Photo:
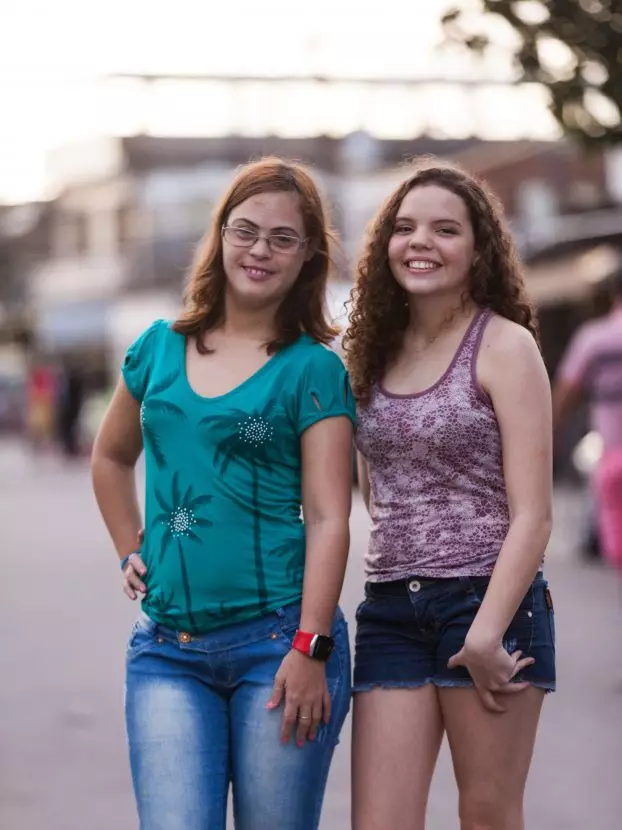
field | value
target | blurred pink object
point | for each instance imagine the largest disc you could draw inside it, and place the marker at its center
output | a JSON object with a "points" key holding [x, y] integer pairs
{"points": [[608, 484]]}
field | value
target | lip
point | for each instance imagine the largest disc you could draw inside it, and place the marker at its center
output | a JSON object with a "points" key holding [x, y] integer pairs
{"points": [[257, 274], [432, 263]]}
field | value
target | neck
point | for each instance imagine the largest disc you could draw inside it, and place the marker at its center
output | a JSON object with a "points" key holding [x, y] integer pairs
{"points": [[430, 315], [256, 324]]}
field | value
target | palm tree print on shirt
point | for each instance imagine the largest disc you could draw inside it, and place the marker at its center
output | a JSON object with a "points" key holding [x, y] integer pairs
{"points": [[153, 406], [180, 517], [250, 442]]}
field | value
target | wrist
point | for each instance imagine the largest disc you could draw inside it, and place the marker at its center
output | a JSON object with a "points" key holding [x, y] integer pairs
{"points": [[313, 645]]}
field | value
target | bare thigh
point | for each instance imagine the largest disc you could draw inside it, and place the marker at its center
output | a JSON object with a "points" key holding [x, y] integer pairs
{"points": [[491, 755], [396, 737]]}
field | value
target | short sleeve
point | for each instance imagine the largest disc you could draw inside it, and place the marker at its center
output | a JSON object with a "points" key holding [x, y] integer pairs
{"points": [[324, 390], [139, 360], [576, 361]]}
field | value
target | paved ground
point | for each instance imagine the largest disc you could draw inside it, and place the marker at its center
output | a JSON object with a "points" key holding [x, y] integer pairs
{"points": [[64, 622]]}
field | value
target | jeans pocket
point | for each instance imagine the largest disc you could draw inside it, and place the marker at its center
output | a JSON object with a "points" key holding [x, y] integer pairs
{"points": [[142, 635]]}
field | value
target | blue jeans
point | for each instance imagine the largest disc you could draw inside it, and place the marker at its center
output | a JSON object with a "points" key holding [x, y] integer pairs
{"points": [[197, 721]]}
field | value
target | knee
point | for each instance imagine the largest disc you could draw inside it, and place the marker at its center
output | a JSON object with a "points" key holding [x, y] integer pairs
{"points": [[489, 811]]}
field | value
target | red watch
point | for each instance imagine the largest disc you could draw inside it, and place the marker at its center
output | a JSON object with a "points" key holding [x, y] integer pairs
{"points": [[317, 646]]}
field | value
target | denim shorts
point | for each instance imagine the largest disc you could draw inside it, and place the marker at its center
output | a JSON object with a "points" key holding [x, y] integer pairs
{"points": [[408, 629]]}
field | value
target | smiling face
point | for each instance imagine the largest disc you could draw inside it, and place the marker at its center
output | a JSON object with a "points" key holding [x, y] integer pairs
{"points": [[260, 275], [432, 247]]}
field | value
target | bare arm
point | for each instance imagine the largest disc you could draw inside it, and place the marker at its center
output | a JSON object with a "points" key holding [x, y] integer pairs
{"points": [[117, 448], [513, 374], [326, 499], [363, 476]]}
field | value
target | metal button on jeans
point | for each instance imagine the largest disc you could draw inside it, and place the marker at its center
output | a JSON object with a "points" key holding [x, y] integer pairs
{"points": [[414, 586], [184, 637]]}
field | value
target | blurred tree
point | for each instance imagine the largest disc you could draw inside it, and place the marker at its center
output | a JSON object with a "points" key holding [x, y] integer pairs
{"points": [[573, 47]]}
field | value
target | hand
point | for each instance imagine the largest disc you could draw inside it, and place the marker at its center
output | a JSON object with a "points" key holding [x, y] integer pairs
{"points": [[491, 669], [132, 573], [302, 682], [134, 569]]}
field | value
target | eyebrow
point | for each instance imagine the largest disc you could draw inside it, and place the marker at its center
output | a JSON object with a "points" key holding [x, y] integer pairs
{"points": [[279, 228], [446, 221]]}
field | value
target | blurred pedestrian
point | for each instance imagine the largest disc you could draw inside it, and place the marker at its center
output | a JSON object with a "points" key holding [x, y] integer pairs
{"points": [[70, 400], [42, 385], [592, 368], [245, 417], [455, 632]]}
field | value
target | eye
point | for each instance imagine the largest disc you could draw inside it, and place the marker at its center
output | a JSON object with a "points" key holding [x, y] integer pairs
{"points": [[283, 240], [448, 231], [402, 229], [243, 233]]}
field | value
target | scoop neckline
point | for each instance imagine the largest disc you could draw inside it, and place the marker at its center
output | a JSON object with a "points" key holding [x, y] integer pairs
{"points": [[184, 343], [436, 384]]}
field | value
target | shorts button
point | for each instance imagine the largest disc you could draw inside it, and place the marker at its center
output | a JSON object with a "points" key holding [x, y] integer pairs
{"points": [[414, 586], [184, 637]]}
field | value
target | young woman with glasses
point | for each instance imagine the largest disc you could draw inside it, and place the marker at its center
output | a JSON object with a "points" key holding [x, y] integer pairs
{"points": [[238, 668]]}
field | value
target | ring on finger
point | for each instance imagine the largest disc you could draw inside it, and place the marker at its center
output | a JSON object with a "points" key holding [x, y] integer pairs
{"points": [[304, 717]]}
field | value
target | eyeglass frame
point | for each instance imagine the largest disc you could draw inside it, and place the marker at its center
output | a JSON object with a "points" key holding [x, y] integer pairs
{"points": [[259, 236]]}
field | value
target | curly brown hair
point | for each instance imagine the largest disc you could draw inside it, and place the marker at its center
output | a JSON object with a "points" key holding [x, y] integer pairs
{"points": [[304, 308], [380, 315]]}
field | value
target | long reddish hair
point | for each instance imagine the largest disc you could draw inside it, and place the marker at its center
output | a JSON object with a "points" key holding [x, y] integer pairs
{"points": [[303, 309], [379, 314]]}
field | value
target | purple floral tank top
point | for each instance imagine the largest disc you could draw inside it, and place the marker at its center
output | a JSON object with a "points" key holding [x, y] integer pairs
{"points": [[438, 499]]}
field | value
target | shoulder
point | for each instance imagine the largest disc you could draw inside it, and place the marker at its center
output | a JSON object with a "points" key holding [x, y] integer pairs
{"points": [[505, 341], [157, 330], [310, 355]]}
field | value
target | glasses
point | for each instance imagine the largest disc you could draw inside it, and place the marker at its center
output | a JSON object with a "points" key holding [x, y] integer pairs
{"points": [[246, 238]]}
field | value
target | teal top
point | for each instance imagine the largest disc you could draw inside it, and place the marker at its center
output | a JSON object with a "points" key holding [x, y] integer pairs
{"points": [[224, 533]]}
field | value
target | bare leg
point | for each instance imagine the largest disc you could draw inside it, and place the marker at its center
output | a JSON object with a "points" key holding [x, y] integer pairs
{"points": [[396, 738], [491, 755]]}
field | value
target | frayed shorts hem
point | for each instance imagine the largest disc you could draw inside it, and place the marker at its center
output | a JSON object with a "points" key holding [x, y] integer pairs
{"points": [[444, 683]]}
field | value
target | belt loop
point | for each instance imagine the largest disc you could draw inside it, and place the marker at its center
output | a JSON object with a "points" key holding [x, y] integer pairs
{"points": [[280, 612]]}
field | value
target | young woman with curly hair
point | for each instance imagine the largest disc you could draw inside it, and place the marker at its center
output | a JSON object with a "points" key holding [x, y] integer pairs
{"points": [[456, 630], [245, 417]]}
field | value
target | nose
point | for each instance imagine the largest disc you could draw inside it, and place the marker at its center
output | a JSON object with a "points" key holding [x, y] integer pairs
{"points": [[420, 238], [261, 248]]}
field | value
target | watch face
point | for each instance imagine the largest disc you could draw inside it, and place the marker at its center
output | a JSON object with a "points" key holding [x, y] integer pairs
{"points": [[322, 647]]}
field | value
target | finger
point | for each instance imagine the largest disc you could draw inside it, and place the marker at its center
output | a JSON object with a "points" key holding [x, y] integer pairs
{"points": [[277, 694], [290, 716], [127, 589], [327, 705], [456, 660], [513, 688], [305, 722], [141, 535], [137, 563], [489, 701], [134, 580], [316, 718], [522, 664]]}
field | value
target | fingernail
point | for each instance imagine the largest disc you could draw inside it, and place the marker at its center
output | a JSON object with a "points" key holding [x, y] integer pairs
{"points": [[301, 744], [283, 740]]}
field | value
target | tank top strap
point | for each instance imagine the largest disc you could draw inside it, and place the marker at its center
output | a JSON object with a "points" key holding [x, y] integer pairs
{"points": [[464, 364]]}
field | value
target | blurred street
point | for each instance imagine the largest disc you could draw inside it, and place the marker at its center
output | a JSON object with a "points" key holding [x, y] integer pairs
{"points": [[65, 622]]}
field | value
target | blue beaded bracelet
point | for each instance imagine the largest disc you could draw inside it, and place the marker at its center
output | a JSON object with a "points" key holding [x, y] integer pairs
{"points": [[125, 558]]}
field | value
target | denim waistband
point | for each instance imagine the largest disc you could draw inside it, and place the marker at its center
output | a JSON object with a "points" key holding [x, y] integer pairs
{"points": [[236, 634], [404, 587]]}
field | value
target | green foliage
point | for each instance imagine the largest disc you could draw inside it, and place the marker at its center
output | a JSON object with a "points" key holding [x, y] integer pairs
{"points": [[586, 86]]}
